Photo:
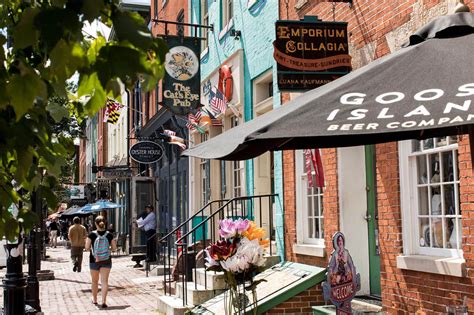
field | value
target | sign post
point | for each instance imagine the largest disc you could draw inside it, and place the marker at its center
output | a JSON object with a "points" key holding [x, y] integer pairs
{"points": [[310, 53], [342, 280]]}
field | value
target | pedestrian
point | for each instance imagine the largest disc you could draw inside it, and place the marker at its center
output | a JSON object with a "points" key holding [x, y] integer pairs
{"points": [[148, 224], [100, 260], [53, 233], [111, 229], [77, 234]]}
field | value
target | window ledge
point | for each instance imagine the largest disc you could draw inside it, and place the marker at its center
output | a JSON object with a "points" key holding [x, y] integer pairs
{"points": [[226, 29], [433, 264], [309, 249], [204, 52]]}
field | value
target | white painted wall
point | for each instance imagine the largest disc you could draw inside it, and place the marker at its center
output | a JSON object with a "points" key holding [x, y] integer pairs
{"points": [[353, 206]]}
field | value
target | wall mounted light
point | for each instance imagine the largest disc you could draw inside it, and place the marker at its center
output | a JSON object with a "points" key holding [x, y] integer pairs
{"points": [[235, 34]]}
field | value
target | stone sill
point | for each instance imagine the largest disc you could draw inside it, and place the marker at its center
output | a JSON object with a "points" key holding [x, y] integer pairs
{"points": [[309, 249], [455, 267]]}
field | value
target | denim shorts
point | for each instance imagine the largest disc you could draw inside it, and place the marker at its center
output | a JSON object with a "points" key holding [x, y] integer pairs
{"points": [[96, 266]]}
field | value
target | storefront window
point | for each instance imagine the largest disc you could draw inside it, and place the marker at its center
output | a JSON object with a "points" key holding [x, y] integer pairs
{"points": [[310, 217], [432, 195]]}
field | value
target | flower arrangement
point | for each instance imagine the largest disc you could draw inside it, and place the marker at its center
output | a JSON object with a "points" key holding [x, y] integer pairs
{"points": [[240, 255]]}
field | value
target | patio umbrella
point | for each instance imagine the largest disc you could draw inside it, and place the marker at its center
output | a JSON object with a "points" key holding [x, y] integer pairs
{"points": [[72, 211], [424, 90], [99, 206]]}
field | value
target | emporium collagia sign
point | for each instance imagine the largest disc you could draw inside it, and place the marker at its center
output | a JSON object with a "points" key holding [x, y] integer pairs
{"points": [[181, 83], [310, 53]]}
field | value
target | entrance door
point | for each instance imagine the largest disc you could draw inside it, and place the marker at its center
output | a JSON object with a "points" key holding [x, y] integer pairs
{"points": [[142, 193], [372, 221], [263, 186]]}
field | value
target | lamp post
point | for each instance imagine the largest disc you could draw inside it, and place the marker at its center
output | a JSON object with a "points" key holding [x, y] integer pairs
{"points": [[14, 283], [32, 291]]}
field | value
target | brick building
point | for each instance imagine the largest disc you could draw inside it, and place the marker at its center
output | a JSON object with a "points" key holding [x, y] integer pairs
{"points": [[410, 238]]}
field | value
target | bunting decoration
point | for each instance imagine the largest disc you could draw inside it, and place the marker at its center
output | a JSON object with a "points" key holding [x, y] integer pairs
{"points": [[314, 159], [112, 112], [193, 123], [217, 101]]}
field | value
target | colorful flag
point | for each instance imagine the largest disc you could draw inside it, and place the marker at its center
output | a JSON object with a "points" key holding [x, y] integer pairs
{"points": [[178, 141], [193, 123], [314, 159], [217, 101], [112, 112], [216, 122], [169, 132]]}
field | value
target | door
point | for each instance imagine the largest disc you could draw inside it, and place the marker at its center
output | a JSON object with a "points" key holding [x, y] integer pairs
{"points": [[372, 221], [142, 193], [263, 186]]}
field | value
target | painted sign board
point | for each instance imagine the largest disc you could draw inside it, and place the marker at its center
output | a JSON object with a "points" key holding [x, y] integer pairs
{"points": [[181, 84], [342, 280], [76, 191], [146, 152], [310, 53]]}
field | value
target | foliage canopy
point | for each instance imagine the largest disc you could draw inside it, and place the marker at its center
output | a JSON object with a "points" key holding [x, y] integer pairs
{"points": [[41, 47]]}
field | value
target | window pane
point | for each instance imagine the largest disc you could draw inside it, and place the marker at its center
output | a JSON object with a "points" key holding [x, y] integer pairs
{"points": [[448, 166], [316, 226], [436, 200], [441, 142], [422, 171], [415, 146], [423, 205], [449, 205], [424, 232], [310, 228], [428, 144], [437, 231], [433, 160]]}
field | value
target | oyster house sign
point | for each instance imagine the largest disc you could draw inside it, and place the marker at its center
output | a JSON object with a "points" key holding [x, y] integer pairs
{"points": [[146, 152], [181, 83], [310, 53]]}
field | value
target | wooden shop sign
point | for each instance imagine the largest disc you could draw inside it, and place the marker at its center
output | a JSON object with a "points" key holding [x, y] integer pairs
{"points": [[310, 53]]}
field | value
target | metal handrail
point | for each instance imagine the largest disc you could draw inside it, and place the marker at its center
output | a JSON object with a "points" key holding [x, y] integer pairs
{"points": [[184, 245], [217, 211]]}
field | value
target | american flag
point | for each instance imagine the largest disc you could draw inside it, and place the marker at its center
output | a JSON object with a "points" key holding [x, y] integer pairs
{"points": [[169, 132], [217, 101]]}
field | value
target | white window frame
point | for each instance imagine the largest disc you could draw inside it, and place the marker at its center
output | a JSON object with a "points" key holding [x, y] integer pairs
{"points": [[204, 21], [305, 245], [237, 169], [409, 202], [227, 11], [203, 180]]}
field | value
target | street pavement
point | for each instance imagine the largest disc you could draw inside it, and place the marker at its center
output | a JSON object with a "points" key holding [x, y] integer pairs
{"points": [[130, 292]]}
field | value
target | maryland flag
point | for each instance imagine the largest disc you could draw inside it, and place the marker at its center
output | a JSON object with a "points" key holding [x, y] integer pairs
{"points": [[112, 112]]}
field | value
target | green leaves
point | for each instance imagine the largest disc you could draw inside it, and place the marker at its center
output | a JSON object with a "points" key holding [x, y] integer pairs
{"points": [[38, 111], [23, 90], [25, 33]]}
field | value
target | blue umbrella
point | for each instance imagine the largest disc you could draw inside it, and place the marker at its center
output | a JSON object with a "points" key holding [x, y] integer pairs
{"points": [[99, 206]]}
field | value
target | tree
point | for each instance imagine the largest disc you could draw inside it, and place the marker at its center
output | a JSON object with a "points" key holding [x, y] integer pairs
{"points": [[41, 47]]}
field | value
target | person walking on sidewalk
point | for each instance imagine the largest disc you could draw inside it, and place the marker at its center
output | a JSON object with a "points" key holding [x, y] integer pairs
{"points": [[53, 233], [77, 235], [100, 262], [149, 226]]}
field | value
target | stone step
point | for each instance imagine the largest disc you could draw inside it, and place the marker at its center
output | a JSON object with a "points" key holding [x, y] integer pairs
{"points": [[196, 294], [158, 270], [171, 305]]}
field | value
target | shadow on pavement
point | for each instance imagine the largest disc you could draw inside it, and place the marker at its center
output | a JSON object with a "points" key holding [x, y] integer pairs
{"points": [[115, 307]]}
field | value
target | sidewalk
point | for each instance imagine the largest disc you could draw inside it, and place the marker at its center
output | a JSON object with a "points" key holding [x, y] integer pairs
{"points": [[130, 292]]}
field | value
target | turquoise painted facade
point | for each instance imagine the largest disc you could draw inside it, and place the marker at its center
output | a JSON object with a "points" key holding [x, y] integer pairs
{"points": [[256, 22]]}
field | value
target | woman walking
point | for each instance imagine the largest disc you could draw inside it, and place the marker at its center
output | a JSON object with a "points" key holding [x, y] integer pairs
{"points": [[99, 243]]}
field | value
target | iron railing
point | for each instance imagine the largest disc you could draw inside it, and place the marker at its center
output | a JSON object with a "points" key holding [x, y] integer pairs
{"points": [[207, 231]]}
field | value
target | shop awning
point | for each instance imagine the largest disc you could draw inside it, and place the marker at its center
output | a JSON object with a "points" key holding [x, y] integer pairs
{"points": [[421, 91]]}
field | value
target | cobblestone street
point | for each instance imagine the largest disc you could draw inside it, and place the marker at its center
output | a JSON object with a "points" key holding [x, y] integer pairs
{"points": [[70, 293]]}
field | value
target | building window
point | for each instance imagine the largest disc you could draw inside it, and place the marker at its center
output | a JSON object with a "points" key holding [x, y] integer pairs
{"points": [[263, 93], [205, 169], [309, 202], [237, 168], [430, 196], [204, 21], [180, 19], [227, 12]]}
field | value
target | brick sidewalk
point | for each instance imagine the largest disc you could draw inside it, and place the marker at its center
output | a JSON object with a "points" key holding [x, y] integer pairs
{"points": [[70, 293]]}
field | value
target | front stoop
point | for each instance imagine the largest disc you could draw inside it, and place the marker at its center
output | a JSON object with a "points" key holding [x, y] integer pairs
{"points": [[212, 280], [171, 305], [196, 294]]}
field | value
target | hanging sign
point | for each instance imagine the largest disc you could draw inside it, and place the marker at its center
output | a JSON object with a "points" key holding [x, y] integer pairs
{"points": [[146, 152], [310, 53], [181, 84], [342, 280]]}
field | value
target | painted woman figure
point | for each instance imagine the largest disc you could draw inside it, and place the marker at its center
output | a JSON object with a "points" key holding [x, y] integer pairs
{"points": [[341, 265]]}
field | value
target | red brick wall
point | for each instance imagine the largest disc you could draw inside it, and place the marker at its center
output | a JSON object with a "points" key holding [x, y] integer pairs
{"points": [[301, 303]]}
